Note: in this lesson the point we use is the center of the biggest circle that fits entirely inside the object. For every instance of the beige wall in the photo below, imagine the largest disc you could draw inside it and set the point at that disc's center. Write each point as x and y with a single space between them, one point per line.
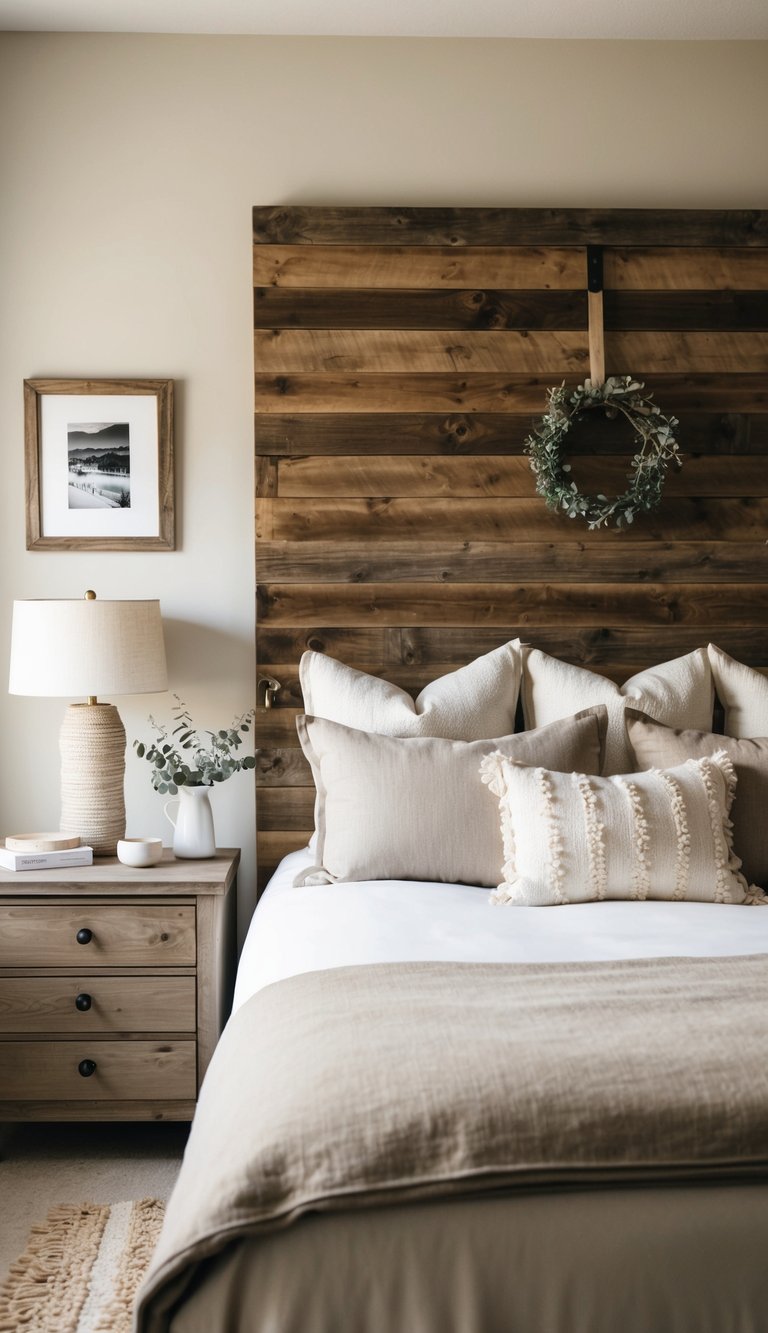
128 167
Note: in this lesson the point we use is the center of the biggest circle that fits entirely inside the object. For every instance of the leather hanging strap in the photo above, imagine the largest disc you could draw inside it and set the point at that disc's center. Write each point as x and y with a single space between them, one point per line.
595 314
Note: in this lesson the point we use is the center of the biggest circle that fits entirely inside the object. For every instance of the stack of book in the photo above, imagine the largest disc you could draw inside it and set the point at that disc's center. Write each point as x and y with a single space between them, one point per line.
41 852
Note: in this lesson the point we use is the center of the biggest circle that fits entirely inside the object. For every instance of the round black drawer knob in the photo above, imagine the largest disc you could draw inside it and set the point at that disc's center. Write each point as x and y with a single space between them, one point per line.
84 935
86 1068
83 1002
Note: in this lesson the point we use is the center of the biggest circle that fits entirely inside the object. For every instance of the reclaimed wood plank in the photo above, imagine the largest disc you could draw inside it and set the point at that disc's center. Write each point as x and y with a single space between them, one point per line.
283 434
478 392
286 808
427 308
373 351
275 726
709 353
467 434
503 561
503 603
494 519
505 266
352 225
667 311
317 351
272 846
475 308
405 393
694 269
380 650
409 475
596 647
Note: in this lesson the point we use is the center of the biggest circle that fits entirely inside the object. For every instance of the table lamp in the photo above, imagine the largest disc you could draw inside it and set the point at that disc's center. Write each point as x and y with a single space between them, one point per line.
89 647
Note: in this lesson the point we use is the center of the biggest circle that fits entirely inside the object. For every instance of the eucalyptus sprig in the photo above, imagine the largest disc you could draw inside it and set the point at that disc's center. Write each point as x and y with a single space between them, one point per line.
658 448
196 758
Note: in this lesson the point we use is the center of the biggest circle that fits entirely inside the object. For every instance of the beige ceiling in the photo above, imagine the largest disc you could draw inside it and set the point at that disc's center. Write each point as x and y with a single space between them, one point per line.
650 19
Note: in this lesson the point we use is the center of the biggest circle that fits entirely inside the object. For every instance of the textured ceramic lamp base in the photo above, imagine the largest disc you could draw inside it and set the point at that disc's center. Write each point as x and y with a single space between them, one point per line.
92 745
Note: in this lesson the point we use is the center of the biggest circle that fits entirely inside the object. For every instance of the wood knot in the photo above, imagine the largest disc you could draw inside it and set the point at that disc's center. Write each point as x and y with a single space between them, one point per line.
496 319
459 352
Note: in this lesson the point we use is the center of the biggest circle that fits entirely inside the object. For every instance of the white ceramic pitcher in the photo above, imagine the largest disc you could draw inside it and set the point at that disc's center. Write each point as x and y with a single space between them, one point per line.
193 835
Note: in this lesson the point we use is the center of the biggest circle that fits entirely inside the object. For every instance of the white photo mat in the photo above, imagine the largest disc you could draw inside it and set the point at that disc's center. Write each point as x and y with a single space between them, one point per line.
61 413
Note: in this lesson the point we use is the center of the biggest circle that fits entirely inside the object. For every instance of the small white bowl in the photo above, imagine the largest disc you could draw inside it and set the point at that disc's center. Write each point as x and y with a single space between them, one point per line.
138 852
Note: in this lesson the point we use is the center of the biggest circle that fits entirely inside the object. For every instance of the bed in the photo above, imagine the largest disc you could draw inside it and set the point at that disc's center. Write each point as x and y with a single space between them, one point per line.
635 1253
429 1113
442 1105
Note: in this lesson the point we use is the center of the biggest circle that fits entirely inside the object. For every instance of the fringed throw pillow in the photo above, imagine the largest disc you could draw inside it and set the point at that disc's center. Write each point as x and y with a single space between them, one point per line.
572 838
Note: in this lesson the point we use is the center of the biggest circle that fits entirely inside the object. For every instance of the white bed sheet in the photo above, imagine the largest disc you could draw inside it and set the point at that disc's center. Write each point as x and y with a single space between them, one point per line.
381 921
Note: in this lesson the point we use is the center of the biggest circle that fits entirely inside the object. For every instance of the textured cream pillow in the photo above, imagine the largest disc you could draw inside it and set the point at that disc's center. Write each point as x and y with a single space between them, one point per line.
571 838
471 704
679 692
414 808
657 746
743 692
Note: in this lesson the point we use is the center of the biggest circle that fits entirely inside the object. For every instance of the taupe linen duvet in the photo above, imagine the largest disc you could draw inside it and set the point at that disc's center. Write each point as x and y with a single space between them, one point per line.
457 1089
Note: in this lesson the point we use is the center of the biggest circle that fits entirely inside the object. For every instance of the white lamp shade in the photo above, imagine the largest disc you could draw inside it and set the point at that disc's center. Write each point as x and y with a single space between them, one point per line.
87 647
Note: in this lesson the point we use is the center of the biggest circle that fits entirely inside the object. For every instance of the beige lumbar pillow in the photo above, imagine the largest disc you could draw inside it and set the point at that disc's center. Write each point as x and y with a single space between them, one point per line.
414 808
473 703
657 746
743 692
572 838
679 692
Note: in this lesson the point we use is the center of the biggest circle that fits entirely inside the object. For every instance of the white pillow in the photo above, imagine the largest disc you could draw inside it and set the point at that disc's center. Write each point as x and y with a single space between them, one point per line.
679 693
662 834
743 692
476 702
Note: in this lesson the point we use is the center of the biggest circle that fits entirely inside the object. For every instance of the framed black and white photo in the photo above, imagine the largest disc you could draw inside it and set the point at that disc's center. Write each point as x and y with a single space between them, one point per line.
99 464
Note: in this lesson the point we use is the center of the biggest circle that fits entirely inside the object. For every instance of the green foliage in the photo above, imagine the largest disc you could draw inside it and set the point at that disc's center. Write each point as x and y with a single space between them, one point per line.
194 758
658 448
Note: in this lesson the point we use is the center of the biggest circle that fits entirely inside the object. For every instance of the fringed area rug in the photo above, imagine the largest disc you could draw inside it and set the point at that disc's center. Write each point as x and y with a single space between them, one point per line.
81 1269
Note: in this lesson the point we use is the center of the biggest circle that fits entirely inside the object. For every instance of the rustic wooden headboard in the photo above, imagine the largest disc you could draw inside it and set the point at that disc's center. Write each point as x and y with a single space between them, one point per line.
401 357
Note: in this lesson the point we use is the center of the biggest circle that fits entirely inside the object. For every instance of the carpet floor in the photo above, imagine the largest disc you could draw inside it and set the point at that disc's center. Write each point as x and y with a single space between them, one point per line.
42 1165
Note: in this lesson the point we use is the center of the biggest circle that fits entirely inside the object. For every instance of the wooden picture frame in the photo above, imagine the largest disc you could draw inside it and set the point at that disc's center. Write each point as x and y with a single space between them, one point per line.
99 465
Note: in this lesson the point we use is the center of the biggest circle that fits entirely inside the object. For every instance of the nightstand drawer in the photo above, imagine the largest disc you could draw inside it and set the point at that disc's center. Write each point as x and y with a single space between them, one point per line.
120 935
84 1004
122 1070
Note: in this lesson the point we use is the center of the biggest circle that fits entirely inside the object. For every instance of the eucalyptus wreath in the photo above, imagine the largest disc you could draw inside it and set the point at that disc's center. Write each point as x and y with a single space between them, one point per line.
619 395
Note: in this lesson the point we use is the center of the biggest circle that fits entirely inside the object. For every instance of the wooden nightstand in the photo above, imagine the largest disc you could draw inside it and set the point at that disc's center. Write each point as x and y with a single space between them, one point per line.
114 987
